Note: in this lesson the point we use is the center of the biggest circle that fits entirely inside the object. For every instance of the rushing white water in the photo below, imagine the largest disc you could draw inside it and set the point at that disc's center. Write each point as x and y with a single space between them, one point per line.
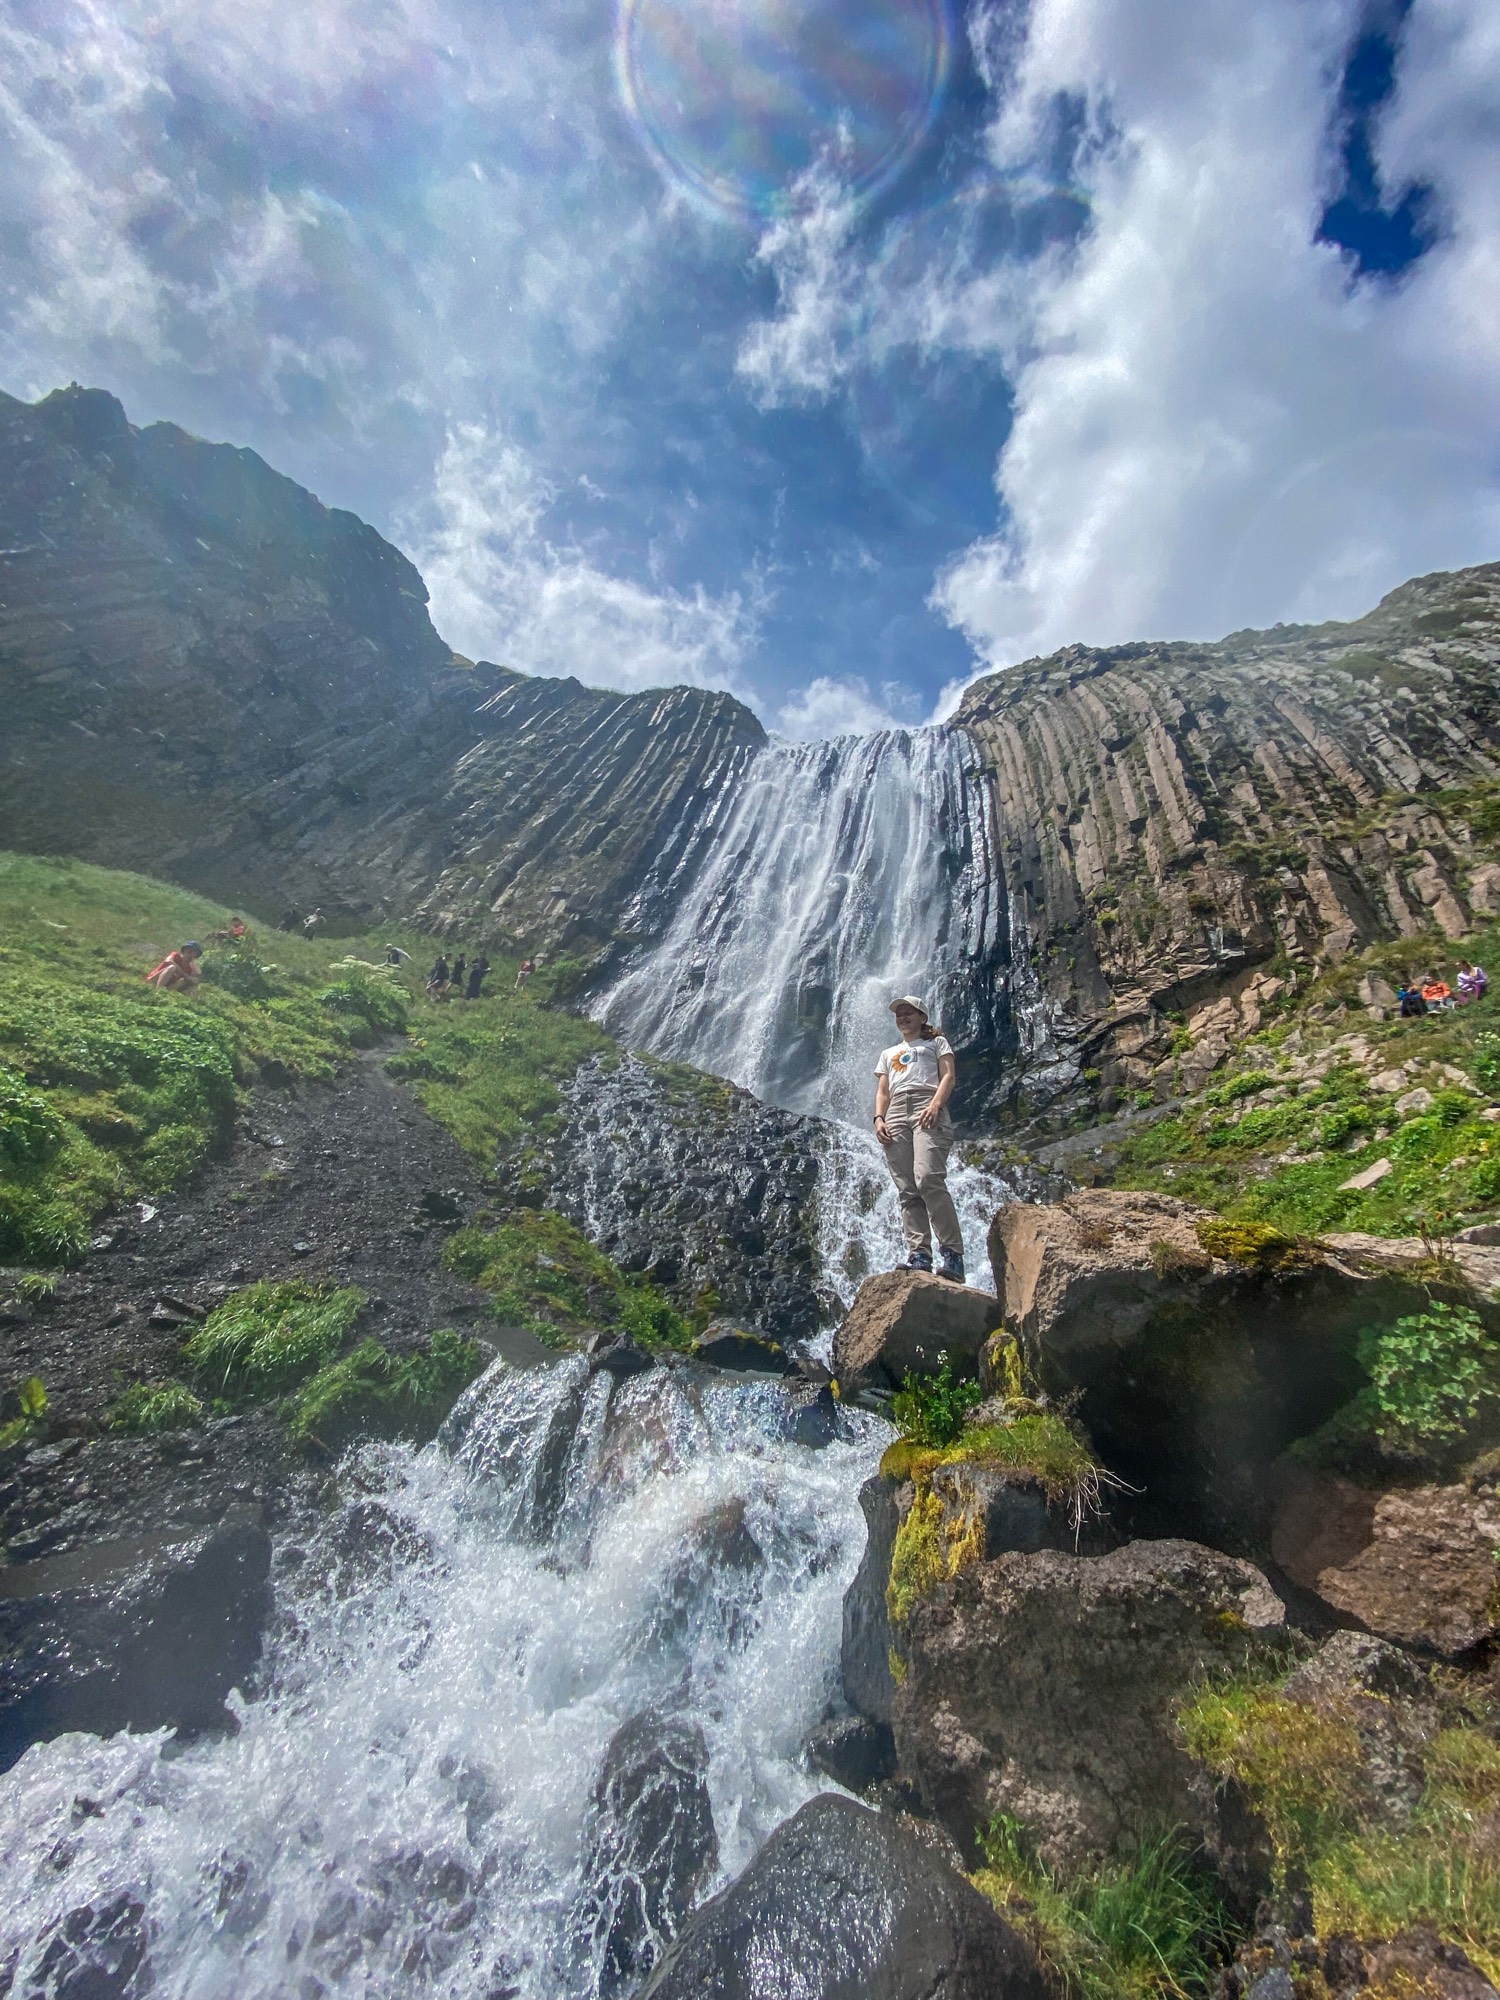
412 1806
846 873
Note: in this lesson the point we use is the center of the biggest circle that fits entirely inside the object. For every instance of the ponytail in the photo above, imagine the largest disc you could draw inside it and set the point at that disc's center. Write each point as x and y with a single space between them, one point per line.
929 1032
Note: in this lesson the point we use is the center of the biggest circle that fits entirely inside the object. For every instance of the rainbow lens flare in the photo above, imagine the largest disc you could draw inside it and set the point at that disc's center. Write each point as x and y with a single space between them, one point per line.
734 99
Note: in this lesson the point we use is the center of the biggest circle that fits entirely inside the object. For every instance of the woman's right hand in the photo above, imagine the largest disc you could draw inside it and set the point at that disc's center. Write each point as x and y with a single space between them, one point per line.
882 1132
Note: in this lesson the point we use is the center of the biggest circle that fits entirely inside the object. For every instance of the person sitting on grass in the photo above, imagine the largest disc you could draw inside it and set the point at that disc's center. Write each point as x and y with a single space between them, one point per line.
179 971
1409 1000
1470 984
1436 992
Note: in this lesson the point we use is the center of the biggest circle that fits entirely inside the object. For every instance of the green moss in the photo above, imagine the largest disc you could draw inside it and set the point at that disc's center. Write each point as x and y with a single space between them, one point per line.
1304 1768
148 1407
271 1336
1145 1925
490 1069
1259 1244
370 1392
544 1274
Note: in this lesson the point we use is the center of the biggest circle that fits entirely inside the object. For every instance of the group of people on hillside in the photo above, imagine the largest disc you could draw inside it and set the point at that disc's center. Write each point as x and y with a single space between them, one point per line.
1431 994
464 976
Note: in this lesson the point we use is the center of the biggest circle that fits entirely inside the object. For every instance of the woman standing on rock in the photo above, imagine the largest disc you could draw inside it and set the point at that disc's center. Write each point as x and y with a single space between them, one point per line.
913 1082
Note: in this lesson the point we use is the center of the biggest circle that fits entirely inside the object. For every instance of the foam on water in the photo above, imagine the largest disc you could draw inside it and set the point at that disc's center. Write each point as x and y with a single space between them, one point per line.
409 1806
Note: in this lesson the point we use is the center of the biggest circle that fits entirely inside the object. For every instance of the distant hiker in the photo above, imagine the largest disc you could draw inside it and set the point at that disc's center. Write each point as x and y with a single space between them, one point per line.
1470 984
1409 999
460 967
179 971
914 1081
289 920
524 971
394 955
477 973
1436 992
440 978
313 921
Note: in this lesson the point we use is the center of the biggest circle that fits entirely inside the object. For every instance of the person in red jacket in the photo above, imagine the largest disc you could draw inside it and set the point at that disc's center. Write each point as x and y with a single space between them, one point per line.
179 971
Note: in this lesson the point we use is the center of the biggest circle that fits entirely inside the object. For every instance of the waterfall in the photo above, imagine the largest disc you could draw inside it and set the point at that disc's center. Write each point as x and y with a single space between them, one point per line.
587 1571
845 873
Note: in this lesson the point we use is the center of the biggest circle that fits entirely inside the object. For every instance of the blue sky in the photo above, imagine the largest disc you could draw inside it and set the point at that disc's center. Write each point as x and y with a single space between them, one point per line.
827 350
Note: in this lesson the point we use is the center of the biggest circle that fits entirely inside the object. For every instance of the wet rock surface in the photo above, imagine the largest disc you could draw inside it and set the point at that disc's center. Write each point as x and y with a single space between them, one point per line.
695 1183
865 1654
908 1321
110 1539
841 1902
1046 1686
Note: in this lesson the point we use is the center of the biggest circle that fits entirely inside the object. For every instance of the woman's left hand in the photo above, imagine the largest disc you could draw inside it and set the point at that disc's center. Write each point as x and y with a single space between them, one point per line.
929 1115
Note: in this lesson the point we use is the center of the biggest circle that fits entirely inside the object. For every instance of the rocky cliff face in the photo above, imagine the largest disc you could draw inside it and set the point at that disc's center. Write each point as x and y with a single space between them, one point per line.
209 675
1180 822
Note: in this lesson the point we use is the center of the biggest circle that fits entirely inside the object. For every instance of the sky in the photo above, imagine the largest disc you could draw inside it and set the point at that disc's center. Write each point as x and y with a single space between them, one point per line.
827 351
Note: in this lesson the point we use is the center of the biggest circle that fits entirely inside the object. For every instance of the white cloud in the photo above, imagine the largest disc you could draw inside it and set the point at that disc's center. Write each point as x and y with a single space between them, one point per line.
801 354
501 590
832 705
1213 428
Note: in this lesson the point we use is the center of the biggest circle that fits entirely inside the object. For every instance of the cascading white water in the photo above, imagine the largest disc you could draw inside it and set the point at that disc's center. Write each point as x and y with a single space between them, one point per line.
846 872
413 1806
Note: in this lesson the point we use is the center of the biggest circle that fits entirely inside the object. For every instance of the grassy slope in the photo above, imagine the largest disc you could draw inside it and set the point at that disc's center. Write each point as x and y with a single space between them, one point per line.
110 1090
1297 1111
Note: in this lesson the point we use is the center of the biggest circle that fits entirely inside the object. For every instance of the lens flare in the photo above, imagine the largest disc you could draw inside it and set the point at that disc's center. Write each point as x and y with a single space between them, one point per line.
734 99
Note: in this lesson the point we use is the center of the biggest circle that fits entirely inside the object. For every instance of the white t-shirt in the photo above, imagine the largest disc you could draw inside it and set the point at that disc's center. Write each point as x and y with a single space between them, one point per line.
913 1065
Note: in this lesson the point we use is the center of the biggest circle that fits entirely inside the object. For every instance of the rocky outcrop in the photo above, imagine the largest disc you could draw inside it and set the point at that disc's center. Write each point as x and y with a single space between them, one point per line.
1199 1350
1046 1686
1414 1564
1173 818
842 1901
692 1181
865 1654
209 675
905 1322
132 1635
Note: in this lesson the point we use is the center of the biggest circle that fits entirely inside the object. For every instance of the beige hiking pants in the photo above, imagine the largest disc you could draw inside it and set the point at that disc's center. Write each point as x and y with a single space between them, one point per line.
918 1162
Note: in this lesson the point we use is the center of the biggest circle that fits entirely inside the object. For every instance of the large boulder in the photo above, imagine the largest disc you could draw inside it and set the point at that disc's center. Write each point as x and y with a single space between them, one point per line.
1199 1350
842 1904
906 1322
127 1636
653 1844
1046 1686
1415 1564
865 1656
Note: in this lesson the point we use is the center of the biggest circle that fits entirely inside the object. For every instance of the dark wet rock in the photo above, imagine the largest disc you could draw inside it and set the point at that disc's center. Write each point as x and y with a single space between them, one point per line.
843 1902
1047 1686
130 1635
1277 1966
1193 1372
618 1354
812 1414
909 1322
97 1952
722 1344
865 1655
855 1752
694 1183
653 1845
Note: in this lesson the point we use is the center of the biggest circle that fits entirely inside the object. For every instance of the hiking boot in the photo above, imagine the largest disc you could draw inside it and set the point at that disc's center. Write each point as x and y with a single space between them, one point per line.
919 1260
951 1265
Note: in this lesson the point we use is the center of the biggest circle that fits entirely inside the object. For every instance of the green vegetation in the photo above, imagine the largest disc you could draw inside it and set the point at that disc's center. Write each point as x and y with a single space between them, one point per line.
1313 1774
148 1407
1272 1144
1144 1926
545 1274
371 1393
31 1407
932 1409
1430 1373
1257 1244
270 1336
110 1089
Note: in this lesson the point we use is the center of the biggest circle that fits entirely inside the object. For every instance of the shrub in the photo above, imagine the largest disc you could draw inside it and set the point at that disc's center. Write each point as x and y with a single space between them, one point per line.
270 1336
1430 1373
30 1403
148 1407
932 1409
1487 1063
30 1130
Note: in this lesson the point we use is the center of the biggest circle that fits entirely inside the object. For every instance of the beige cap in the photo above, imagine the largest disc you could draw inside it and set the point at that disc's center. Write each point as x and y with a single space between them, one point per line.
910 1000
